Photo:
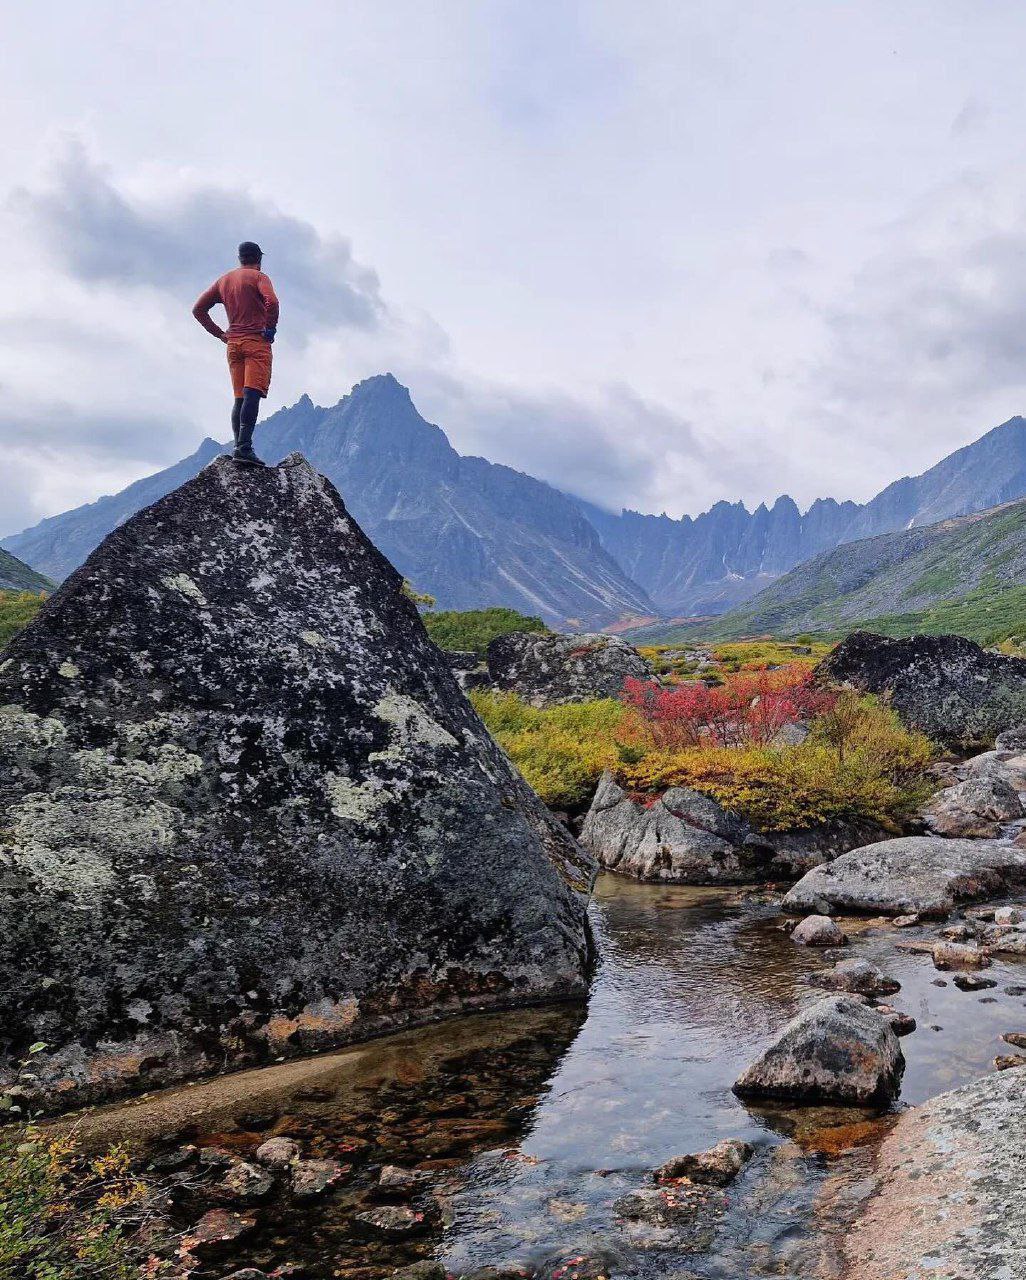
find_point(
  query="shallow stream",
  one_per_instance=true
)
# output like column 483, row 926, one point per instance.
column 533, row 1123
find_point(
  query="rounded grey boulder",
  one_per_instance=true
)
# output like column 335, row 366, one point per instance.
column 546, row 669
column 837, row 1050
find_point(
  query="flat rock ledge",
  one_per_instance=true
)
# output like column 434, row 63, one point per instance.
column 923, row 875
column 247, row 813
column 838, row 1050
column 951, row 1199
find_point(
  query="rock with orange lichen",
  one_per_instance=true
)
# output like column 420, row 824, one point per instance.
column 246, row 811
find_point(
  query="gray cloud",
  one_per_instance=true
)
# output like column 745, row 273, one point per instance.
column 98, row 234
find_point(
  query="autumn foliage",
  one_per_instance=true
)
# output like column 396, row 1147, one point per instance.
column 749, row 709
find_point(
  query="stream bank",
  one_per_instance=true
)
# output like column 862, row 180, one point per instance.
column 530, row 1126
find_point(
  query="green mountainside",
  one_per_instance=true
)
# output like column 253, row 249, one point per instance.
column 17, row 576
column 965, row 575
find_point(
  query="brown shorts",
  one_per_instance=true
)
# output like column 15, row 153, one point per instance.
column 249, row 361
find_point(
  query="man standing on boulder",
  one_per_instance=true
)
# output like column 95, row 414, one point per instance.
column 249, row 299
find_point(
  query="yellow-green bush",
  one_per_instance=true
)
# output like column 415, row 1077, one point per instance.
column 858, row 762
column 561, row 751
column 68, row 1216
column 17, row 609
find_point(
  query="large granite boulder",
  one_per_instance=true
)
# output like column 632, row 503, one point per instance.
column 245, row 811
column 977, row 808
column 547, row 669
column 946, row 686
column 681, row 838
column 838, row 1050
column 951, row 1196
column 924, row 875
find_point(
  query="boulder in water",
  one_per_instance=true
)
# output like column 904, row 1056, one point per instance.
column 245, row 810
column 921, row 875
column 546, row 669
column 838, row 1050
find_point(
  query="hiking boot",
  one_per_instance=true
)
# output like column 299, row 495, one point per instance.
column 248, row 457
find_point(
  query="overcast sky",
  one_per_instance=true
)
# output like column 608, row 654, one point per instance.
column 658, row 253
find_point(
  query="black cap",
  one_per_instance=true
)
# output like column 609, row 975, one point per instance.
column 248, row 250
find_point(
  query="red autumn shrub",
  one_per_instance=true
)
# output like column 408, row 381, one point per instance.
column 749, row 709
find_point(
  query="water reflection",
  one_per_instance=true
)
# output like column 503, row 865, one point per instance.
column 532, row 1124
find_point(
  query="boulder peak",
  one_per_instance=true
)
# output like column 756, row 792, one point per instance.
column 245, row 810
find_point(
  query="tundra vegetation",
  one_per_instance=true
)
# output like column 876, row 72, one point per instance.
column 729, row 741
column 17, row 609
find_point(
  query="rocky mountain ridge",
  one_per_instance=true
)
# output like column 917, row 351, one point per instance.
column 473, row 533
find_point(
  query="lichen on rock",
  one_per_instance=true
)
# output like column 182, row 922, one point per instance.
column 260, row 818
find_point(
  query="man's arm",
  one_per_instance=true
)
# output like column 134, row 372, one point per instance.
column 210, row 298
column 270, row 307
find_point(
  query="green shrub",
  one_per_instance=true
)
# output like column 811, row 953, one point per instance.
column 17, row 609
column 68, row 1216
column 476, row 628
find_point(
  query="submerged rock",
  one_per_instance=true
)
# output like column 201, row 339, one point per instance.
column 952, row 1198
column 818, row 931
column 946, row 686
column 837, row 1050
column 921, row 875
column 718, row 1166
column 974, row 809
column 245, row 811
column 857, row 977
column 546, row 669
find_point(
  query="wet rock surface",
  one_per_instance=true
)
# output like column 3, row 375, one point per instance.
column 952, row 1198
column 547, row 669
column 838, row 1050
column 921, row 875
column 246, row 812
column 946, row 686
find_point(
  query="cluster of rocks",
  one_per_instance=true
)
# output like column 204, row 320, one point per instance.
column 246, row 812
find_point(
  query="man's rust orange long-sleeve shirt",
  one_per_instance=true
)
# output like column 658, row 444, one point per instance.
column 249, row 299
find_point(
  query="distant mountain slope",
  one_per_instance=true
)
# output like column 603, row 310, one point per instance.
column 467, row 531
column 727, row 555
column 966, row 575
column 16, row 576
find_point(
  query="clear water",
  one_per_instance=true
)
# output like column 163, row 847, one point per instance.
column 534, row 1123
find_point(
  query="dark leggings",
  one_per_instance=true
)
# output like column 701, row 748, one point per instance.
column 244, row 416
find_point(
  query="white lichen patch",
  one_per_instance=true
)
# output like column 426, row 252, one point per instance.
column 355, row 802
column 24, row 728
column 6, row 665
column 182, row 583
column 410, row 723
column 68, row 670
column 314, row 639
column 69, row 840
